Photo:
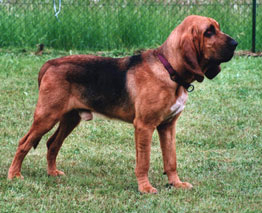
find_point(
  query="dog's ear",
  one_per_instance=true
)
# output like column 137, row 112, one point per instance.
column 190, row 52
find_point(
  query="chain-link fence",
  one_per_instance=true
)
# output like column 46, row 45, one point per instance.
column 117, row 24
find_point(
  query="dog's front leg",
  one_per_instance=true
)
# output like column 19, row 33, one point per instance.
column 143, row 137
column 167, row 134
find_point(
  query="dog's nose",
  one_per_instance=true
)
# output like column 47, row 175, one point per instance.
column 233, row 43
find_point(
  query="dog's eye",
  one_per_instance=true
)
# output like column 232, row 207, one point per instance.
column 210, row 31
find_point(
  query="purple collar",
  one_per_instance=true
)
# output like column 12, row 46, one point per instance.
column 174, row 75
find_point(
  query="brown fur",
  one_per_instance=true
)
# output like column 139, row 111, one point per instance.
column 135, row 89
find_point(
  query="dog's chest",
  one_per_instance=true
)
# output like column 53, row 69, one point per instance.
column 177, row 107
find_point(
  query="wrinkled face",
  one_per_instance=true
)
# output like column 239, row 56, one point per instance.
column 217, row 47
column 204, row 46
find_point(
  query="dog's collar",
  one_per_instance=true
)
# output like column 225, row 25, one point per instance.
column 174, row 75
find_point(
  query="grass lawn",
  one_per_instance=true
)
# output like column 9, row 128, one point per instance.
column 118, row 24
column 219, row 149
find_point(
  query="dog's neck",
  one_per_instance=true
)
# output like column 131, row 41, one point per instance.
column 174, row 75
column 171, row 49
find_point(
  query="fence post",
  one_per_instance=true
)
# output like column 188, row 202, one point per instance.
column 254, row 26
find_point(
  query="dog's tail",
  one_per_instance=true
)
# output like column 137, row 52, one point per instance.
column 42, row 71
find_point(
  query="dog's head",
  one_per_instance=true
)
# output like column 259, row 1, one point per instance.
column 202, row 46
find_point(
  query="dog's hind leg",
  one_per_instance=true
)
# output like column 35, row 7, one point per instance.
column 67, row 123
column 43, row 122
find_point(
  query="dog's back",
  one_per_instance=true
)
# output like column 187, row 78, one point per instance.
column 101, row 81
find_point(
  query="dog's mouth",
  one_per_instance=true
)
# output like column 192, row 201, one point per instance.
column 213, row 67
column 228, row 51
column 212, row 70
column 228, row 54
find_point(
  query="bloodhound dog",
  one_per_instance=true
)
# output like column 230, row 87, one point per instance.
column 148, row 90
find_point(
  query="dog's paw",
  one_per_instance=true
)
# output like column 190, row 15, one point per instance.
column 12, row 176
column 182, row 185
column 55, row 173
column 148, row 189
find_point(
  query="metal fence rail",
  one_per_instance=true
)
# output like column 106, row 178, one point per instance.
column 118, row 24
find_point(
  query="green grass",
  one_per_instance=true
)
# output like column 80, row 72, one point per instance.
column 110, row 25
column 219, row 149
